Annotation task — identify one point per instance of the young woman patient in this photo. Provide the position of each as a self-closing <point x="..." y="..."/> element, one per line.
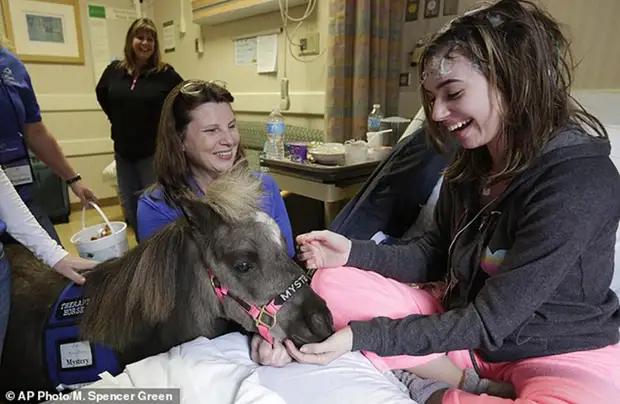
<point x="197" y="140"/>
<point x="511" y="299"/>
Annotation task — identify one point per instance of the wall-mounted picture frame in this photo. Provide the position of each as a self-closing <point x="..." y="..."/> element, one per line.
<point x="44" y="31"/>
<point x="431" y="9"/>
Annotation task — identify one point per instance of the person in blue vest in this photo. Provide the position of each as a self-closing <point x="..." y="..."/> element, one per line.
<point x="21" y="128"/>
<point x="197" y="141"/>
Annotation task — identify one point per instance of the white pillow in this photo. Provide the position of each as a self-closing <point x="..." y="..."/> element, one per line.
<point x="221" y="368"/>
<point x="348" y="379"/>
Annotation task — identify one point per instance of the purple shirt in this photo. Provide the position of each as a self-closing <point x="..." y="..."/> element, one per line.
<point x="154" y="213"/>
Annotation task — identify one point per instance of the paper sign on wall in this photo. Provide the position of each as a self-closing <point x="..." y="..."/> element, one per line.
<point x="99" y="42"/>
<point x="267" y="53"/>
<point x="129" y="14"/>
<point x="245" y="51"/>
<point x="168" y="36"/>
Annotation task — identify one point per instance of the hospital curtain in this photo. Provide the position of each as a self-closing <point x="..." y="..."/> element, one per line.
<point x="365" y="38"/>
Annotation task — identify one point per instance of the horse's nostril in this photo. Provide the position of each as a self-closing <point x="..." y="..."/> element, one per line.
<point x="321" y="324"/>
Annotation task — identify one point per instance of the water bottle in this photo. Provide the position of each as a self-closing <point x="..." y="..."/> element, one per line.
<point x="374" y="118"/>
<point x="275" y="135"/>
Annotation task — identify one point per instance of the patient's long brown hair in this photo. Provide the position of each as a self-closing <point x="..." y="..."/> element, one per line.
<point x="523" y="53"/>
<point x="170" y="163"/>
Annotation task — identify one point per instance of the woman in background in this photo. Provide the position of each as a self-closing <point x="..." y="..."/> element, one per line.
<point x="131" y="92"/>
<point x="199" y="140"/>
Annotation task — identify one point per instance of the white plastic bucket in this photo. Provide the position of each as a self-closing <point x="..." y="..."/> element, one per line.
<point x="112" y="246"/>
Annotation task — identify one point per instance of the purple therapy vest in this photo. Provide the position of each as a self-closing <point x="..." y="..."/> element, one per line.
<point x="73" y="363"/>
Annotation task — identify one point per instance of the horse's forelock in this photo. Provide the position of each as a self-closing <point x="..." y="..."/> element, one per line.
<point x="234" y="195"/>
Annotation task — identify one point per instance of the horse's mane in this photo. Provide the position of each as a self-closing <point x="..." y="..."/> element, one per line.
<point x="235" y="194"/>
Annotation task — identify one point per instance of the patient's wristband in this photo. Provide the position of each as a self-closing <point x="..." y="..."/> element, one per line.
<point x="74" y="179"/>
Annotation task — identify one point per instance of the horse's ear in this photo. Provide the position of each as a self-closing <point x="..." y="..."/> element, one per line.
<point x="152" y="290"/>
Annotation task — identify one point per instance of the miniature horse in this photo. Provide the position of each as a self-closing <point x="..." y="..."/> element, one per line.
<point x="222" y="264"/>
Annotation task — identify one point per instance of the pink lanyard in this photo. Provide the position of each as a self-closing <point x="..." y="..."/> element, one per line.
<point x="133" y="83"/>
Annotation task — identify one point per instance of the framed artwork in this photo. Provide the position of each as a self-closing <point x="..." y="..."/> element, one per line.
<point x="411" y="12"/>
<point x="432" y="9"/>
<point x="44" y="31"/>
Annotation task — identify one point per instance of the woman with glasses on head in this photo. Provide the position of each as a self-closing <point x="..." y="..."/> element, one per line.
<point x="131" y="92"/>
<point x="511" y="298"/>
<point x="197" y="141"/>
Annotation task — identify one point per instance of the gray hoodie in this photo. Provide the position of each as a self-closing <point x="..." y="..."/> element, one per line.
<point x="532" y="270"/>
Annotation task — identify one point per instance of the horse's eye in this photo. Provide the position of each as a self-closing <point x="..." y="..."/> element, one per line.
<point x="242" y="267"/>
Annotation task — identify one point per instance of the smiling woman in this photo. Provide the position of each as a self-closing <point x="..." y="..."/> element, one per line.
<point x="511" y="297"/>
<point x="131" y="92"/>
<point x="198" y="140"/>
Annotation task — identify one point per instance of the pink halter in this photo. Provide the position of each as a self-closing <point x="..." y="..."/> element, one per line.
<point x="265" y="316"/>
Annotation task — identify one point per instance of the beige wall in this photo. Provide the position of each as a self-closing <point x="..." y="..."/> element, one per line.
<point x="591" y="26"/>
<point x="67" y="99"/>
<point x="71" y="112"/>
<point x="70" y="109"/>
<point x="254" y="94"/>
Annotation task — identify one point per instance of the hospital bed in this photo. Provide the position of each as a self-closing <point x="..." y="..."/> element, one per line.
<point x="221" y="371"/>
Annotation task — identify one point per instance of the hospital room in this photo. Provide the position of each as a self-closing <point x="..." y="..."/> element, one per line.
<point x="310" y="201"/>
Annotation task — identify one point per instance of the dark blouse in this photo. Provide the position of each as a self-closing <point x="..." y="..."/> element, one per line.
<point x="134" y="107"/>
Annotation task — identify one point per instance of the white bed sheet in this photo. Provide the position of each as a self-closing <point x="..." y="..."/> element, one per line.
<point x="221" y="371"/>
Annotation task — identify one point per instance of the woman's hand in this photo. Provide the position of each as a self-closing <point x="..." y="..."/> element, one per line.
<point x="262" y="352"/>
<point x="72" y="267"/>
<point x="323" y="249"/>
<point x="324" y="352"/>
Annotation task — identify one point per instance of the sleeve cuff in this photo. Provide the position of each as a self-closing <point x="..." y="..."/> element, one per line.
<point x="360" y="254"/>
<point x="366" y="336"/>
<point x="33" y="119"/>
<point x="56" y="256"/>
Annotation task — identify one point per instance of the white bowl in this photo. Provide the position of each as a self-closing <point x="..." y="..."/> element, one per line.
<point x="329" y="159"/>
<point x="328" y="153"/>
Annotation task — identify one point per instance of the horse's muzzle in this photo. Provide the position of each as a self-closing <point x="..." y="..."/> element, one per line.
<point x="316" y="323"/>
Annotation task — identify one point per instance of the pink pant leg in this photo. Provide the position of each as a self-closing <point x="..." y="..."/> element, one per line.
<point x="575" y="378"/>
<point x="354" y="294"/>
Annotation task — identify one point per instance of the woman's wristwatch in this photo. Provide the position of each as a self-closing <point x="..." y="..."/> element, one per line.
<point x="74" y="179"/>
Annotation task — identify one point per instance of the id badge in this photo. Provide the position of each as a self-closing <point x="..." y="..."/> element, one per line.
<point x="19" y="172"/>
<point x="15" y="160"/>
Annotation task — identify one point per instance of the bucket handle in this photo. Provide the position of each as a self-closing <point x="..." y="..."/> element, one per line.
<point x="98" y="209"/>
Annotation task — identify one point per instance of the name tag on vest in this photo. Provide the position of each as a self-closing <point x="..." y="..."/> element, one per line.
<point x="19" y="172"/>
<point x="75" y="355"/>
<point x="15" y="161"/>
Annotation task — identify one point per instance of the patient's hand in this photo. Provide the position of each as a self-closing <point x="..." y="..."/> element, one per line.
<point x="323" y="249"/>
<point x="263" y="353"/>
